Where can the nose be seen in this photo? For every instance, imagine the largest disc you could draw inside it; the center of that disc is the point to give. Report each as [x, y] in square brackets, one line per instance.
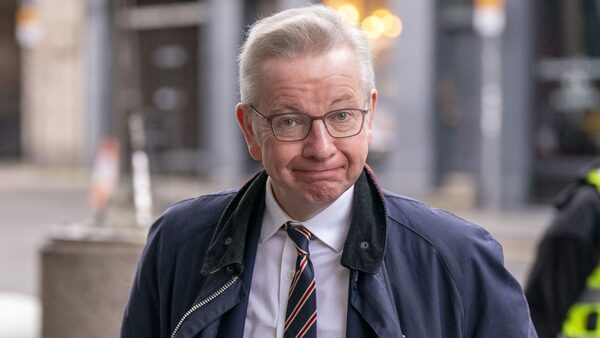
[318, 144]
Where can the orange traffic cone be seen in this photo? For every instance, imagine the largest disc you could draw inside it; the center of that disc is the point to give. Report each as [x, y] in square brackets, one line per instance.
[105, 174]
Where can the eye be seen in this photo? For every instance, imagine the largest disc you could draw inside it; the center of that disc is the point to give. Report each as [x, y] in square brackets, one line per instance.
[287, 123]
[341, 116]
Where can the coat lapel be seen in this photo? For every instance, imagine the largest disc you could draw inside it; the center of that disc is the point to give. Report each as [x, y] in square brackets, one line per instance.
[369, 296]
[370, 299]
[231, 254]
[212, 307]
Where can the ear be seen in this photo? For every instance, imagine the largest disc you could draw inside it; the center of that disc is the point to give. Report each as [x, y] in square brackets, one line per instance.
[244, 119]
[371, 115]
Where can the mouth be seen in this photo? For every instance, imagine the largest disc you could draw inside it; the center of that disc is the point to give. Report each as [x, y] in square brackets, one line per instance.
[318, 174]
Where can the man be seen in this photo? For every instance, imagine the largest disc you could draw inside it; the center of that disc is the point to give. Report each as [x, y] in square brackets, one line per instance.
[563, 289]
[311, 246]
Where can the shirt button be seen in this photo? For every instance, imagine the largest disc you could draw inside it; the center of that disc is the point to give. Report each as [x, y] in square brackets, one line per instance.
[291, 273]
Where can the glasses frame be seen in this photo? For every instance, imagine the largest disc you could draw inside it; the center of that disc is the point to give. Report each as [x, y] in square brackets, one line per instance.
[364, 113]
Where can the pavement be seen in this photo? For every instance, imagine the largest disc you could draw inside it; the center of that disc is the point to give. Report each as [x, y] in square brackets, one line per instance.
[35, 200]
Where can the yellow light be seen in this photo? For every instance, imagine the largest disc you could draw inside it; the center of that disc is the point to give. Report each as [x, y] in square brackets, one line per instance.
[381, 13]
[27, 14]
[373, 26]
[334, 3]
[495, 4]
[393, 26]
[349, 12]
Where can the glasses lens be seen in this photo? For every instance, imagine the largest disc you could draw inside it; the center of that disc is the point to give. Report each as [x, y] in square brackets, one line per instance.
[339, 123]
[291, 127]
[344, 123]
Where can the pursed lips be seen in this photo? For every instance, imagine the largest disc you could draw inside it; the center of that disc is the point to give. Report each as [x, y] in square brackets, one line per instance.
[317, 173]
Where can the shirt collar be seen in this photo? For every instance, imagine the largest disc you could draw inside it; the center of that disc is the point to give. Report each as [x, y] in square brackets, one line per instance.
[330, 225]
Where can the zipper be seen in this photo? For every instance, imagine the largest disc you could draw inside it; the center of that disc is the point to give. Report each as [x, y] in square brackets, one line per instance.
[205, 301]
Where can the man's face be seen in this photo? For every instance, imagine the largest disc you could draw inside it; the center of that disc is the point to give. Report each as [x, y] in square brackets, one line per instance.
[310, 174]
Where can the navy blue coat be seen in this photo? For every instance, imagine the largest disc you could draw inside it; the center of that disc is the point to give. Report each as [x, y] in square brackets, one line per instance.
[416, 271]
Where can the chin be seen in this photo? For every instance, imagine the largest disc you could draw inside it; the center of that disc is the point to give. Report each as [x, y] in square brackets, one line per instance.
[324, 195]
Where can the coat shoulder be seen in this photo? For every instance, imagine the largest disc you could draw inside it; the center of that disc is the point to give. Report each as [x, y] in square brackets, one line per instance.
[454, 240]
[186, 218]
[436, 226]
[434, 242]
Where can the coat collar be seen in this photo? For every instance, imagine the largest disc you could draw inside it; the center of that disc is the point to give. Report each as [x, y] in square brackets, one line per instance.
[364, 247]
[228, 244]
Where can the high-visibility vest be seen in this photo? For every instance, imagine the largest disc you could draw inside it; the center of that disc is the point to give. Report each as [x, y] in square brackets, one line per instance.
[583, 317]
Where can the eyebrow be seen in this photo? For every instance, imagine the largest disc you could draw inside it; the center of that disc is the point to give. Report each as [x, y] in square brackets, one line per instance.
[286, 108]
[291, 107]
[346, 98]
[343, 98]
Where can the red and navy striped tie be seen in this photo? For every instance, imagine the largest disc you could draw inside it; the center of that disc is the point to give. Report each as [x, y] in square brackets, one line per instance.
[301, 313]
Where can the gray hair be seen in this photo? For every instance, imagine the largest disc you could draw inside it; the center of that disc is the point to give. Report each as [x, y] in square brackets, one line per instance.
[298, 32]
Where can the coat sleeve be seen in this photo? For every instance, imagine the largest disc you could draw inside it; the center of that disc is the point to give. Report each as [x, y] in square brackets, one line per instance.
[142, 313]
[493, 301]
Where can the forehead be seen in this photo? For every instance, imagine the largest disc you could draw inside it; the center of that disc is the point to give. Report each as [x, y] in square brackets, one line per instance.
[314, 77]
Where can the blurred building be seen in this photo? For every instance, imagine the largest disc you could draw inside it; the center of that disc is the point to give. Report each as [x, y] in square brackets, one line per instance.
[86, 65]
[10, 145]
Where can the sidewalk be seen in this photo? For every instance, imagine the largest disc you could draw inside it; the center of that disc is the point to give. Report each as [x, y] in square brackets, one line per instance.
[34, 199]
[31, 200]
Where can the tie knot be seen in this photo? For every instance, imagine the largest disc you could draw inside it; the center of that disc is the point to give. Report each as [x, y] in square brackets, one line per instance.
[299, 235]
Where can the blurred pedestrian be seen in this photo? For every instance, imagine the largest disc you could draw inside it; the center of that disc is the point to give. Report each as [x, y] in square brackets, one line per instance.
[314, 230]
[563, 289]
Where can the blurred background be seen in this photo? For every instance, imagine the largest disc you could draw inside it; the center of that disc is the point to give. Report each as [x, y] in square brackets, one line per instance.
[110, 110]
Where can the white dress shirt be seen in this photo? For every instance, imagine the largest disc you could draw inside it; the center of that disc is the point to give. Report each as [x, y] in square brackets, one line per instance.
[275, 267]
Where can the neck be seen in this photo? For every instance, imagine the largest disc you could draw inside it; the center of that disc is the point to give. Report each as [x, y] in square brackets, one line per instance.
[300, 212]
[297, 210]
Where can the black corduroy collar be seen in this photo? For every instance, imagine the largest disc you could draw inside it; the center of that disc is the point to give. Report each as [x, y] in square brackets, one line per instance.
[367, 237]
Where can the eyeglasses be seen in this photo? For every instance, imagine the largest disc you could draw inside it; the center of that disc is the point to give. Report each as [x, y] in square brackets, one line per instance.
[339, 123]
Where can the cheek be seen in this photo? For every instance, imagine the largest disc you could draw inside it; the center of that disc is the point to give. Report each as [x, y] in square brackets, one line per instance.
[262, 136]
[277, 154]
[358, 151]
[263, 130]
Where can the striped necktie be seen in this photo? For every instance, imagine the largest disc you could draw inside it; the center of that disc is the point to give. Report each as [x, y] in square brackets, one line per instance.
[301, 312]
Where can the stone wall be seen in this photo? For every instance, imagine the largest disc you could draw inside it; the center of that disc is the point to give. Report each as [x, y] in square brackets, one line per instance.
[85, 286]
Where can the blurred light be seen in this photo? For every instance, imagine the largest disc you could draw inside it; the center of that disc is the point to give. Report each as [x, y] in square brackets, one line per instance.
[393, 26]
[349, 12]
[373, 26]
[29, 29]
[489, 21]
[381, 13]
[495, 4]
[334, 3]
[489, 17]
[380, 23]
